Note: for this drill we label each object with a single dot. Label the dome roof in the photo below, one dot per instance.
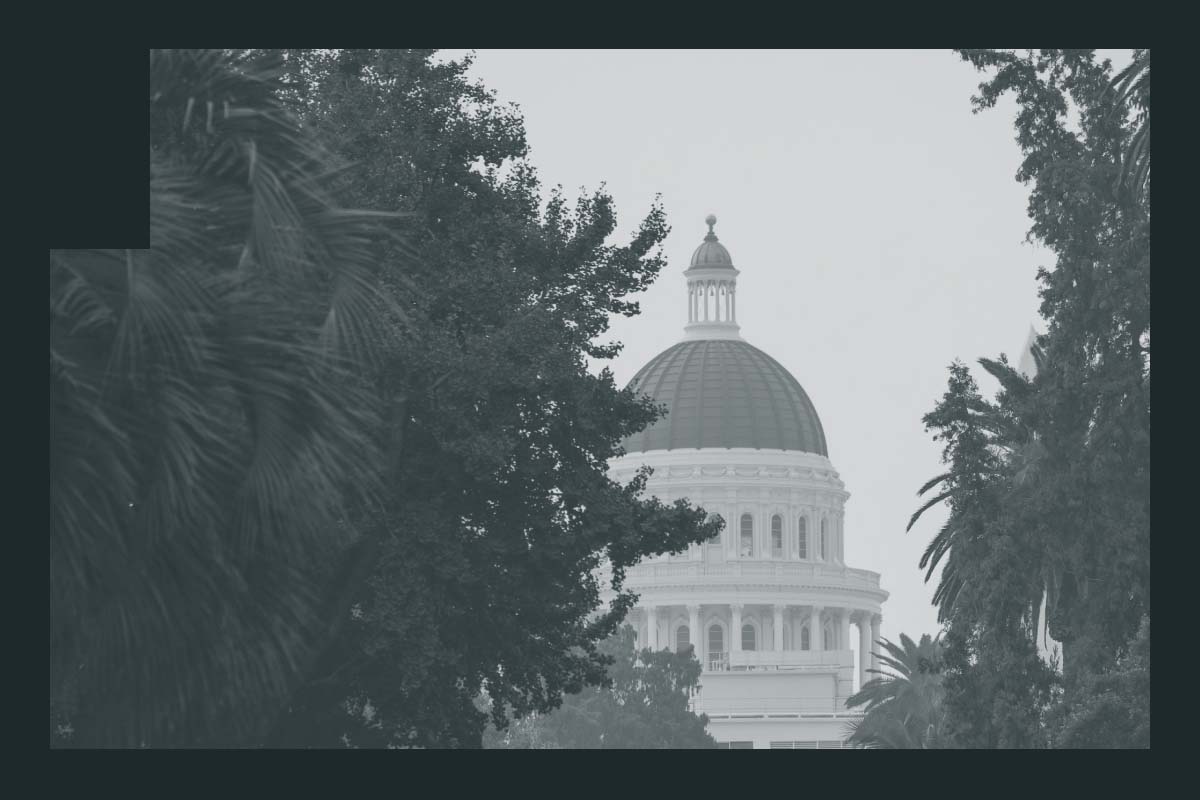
(725, 393)
(711, 253)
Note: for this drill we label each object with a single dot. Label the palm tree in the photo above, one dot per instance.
(902, 707)
(1131, 87)
(994, 442)
(210, 420)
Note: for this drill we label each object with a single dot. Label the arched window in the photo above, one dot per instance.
(748, 637)
(824, 554)
(804, 641)
(747, 550)
(803, 533)
(777, 536)
(716, 538)
(828, 639)
(716, 640)
(683, 638)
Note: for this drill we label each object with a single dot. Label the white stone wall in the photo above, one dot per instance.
(770, 591)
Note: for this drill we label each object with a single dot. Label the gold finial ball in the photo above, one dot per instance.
(710, 220)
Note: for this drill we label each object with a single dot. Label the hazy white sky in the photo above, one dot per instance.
(876, 222)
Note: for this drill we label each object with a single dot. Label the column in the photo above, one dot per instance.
(876, 622)
(778, 632)
(816, 636)
(844, 630)
(652, 627)
(735, 632)
(864, 649)
(694, 632)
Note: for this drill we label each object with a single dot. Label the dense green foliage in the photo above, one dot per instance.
(1049, 483)
(902, 708)
(643, 705)
(499, 507)
(346, 482)
(1111, 708)
(205, 427)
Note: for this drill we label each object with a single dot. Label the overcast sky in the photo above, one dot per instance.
(875, 220)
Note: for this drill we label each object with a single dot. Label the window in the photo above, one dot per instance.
(803, 538)
(777, 536)
(747, 536)
(748, 637)
(716, 539)
(683, 639)
(804, 643)
(828, 639)
(824, 554)
(716, 640)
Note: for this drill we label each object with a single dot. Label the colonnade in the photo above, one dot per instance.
(718, 630)
(723, 304)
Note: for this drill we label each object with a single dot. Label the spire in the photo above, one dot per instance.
(712, 290)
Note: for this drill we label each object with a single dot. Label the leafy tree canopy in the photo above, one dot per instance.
(481, 571)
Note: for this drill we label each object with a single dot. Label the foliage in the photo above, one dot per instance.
(1132, 86)
(1111, 709)
(205, 425)
(999, 693)
(902, 707)
(1049, 484)
(643, 705)
(482, 573)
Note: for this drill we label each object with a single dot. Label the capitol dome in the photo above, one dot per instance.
(725, 393)
(767, 604)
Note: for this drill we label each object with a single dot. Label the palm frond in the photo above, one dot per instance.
(204, 430)
(928, 504)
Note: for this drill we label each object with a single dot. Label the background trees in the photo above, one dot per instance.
(1049, 484)
(643, 705)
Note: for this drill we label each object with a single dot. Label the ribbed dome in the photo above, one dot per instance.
(725, 393)
(711, 253)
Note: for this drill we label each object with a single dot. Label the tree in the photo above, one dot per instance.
(1132, 86)
(481, 570)
(1111, 709)
(1049, 485)
(206, 428)
(993, 544)
(643, 704)
(902, 709)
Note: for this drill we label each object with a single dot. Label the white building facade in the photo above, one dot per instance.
(773, 612)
